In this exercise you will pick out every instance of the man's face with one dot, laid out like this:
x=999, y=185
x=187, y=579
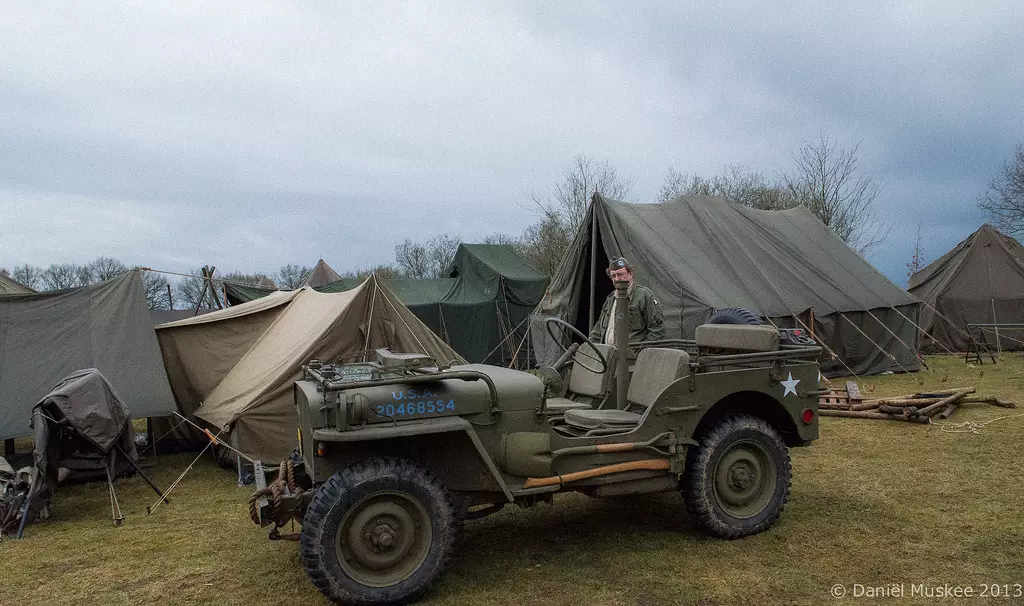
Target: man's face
x=622, y=274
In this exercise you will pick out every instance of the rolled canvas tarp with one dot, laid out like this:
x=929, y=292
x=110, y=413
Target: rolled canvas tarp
x=979, y=281
x=240, y=363
x=47, y=336
x=701, y=253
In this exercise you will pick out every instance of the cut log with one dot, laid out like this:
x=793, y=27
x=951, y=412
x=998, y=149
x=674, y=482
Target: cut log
x=852, y=414
x=948, y=411
x=992, y=401
x=865, y=405
x=943, y=403
x=943, y=392
x=906, y=411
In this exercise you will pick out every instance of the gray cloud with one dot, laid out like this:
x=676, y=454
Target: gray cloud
x=249, y=135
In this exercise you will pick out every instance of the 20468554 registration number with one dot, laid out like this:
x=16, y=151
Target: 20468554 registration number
x=414, y=408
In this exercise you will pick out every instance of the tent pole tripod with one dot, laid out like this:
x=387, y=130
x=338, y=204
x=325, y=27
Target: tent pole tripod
x=142, y=474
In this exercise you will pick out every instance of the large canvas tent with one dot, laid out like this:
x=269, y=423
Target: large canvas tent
x=47, y=336
x=980, y=281
x=480, y=309
x=10, y=287
x=235, y=368
x=701, y=253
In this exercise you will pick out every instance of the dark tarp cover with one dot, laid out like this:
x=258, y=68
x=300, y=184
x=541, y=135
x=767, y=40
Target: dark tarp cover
x=701, y=253
x=87, y=402
x=980, y=281
x=47, y=336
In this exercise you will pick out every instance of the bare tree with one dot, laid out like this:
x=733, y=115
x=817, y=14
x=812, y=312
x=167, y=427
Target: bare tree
x=103, y=268
x=736, y=183
x=413, y=259
x=155, y=285
x=827, y=183
x=545, y=242
x=28, y=275
x=584, y=177
x=293, y=276
x=5, y=272
x=441, y=252
x=384, y=271
x=60, y=276
x=916, y=262
x=1004, y=201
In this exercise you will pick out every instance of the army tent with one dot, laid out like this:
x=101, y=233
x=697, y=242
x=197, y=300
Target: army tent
x=701, y=253
x=235, y=368
x=322, y=275
x=980, y=281
x=10, y=287
x=480, y=309
x=47, y=336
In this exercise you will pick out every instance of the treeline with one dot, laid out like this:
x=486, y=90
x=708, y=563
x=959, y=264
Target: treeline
x=824, y=178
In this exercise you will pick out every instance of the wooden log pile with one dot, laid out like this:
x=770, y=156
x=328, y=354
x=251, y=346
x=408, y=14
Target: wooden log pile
x=911, y=408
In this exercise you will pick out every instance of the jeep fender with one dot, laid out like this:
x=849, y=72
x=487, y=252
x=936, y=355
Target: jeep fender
x=437, y=440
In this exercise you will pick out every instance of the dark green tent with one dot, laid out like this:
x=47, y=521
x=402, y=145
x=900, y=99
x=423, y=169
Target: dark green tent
x=700, y=253
x=980, y=281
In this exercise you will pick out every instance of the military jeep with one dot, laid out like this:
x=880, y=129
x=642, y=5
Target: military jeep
x=397, y=452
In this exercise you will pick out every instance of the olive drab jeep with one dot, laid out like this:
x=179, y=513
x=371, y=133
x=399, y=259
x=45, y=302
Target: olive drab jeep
x=397, y=452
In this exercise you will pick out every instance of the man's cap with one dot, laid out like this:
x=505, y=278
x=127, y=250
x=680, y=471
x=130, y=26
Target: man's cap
x=619, y=263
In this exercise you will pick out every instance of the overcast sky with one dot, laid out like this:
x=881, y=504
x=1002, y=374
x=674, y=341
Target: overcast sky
x=249, y=135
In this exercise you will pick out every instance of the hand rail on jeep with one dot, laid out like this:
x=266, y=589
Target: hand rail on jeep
x=786, y=352
x=465, y=375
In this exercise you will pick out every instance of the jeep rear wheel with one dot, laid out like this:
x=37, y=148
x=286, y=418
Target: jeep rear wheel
x=378, y=532
x=737, y=479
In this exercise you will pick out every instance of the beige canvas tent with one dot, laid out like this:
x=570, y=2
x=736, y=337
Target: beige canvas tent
x=234, y=369
x=322, y=275
x=9, y=287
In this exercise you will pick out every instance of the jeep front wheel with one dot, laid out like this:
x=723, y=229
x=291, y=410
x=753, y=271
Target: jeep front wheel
x=378, y=532
x=737, y=479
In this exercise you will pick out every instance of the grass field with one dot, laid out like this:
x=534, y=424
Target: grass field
x=873, y=502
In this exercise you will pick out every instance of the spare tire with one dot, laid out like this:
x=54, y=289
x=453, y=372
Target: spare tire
x=735, y=315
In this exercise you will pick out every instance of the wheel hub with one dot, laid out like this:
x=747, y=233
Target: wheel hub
x=744, y=479
x=384, y=538
x=742, y=476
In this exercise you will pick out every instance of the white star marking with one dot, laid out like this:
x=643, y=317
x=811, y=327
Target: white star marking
x=790, y=386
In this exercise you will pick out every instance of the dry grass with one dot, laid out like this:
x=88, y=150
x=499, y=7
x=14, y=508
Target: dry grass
x=872, y=502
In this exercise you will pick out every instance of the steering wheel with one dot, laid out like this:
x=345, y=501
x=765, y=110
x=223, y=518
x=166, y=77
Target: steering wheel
x=562, y=325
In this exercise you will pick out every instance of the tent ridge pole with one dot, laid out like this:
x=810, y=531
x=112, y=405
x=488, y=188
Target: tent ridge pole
x=593, y=260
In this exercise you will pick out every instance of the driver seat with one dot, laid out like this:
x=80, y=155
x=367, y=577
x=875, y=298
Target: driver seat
x=656, y=368
x=584, y=382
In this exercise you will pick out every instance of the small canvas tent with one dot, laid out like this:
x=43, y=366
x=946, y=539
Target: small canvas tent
x=9, y=287
x=700, y=253
x=322, y=275
x=46, y=336
x=980, y=281
x=235, y=368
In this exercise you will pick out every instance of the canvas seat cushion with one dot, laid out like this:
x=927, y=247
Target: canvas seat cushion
x=593, y=419
x=559, y=405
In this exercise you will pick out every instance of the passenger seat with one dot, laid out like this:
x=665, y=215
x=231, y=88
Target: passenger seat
x=655, y=369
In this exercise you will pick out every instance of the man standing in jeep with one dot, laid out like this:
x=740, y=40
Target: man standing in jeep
x=646, y=322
